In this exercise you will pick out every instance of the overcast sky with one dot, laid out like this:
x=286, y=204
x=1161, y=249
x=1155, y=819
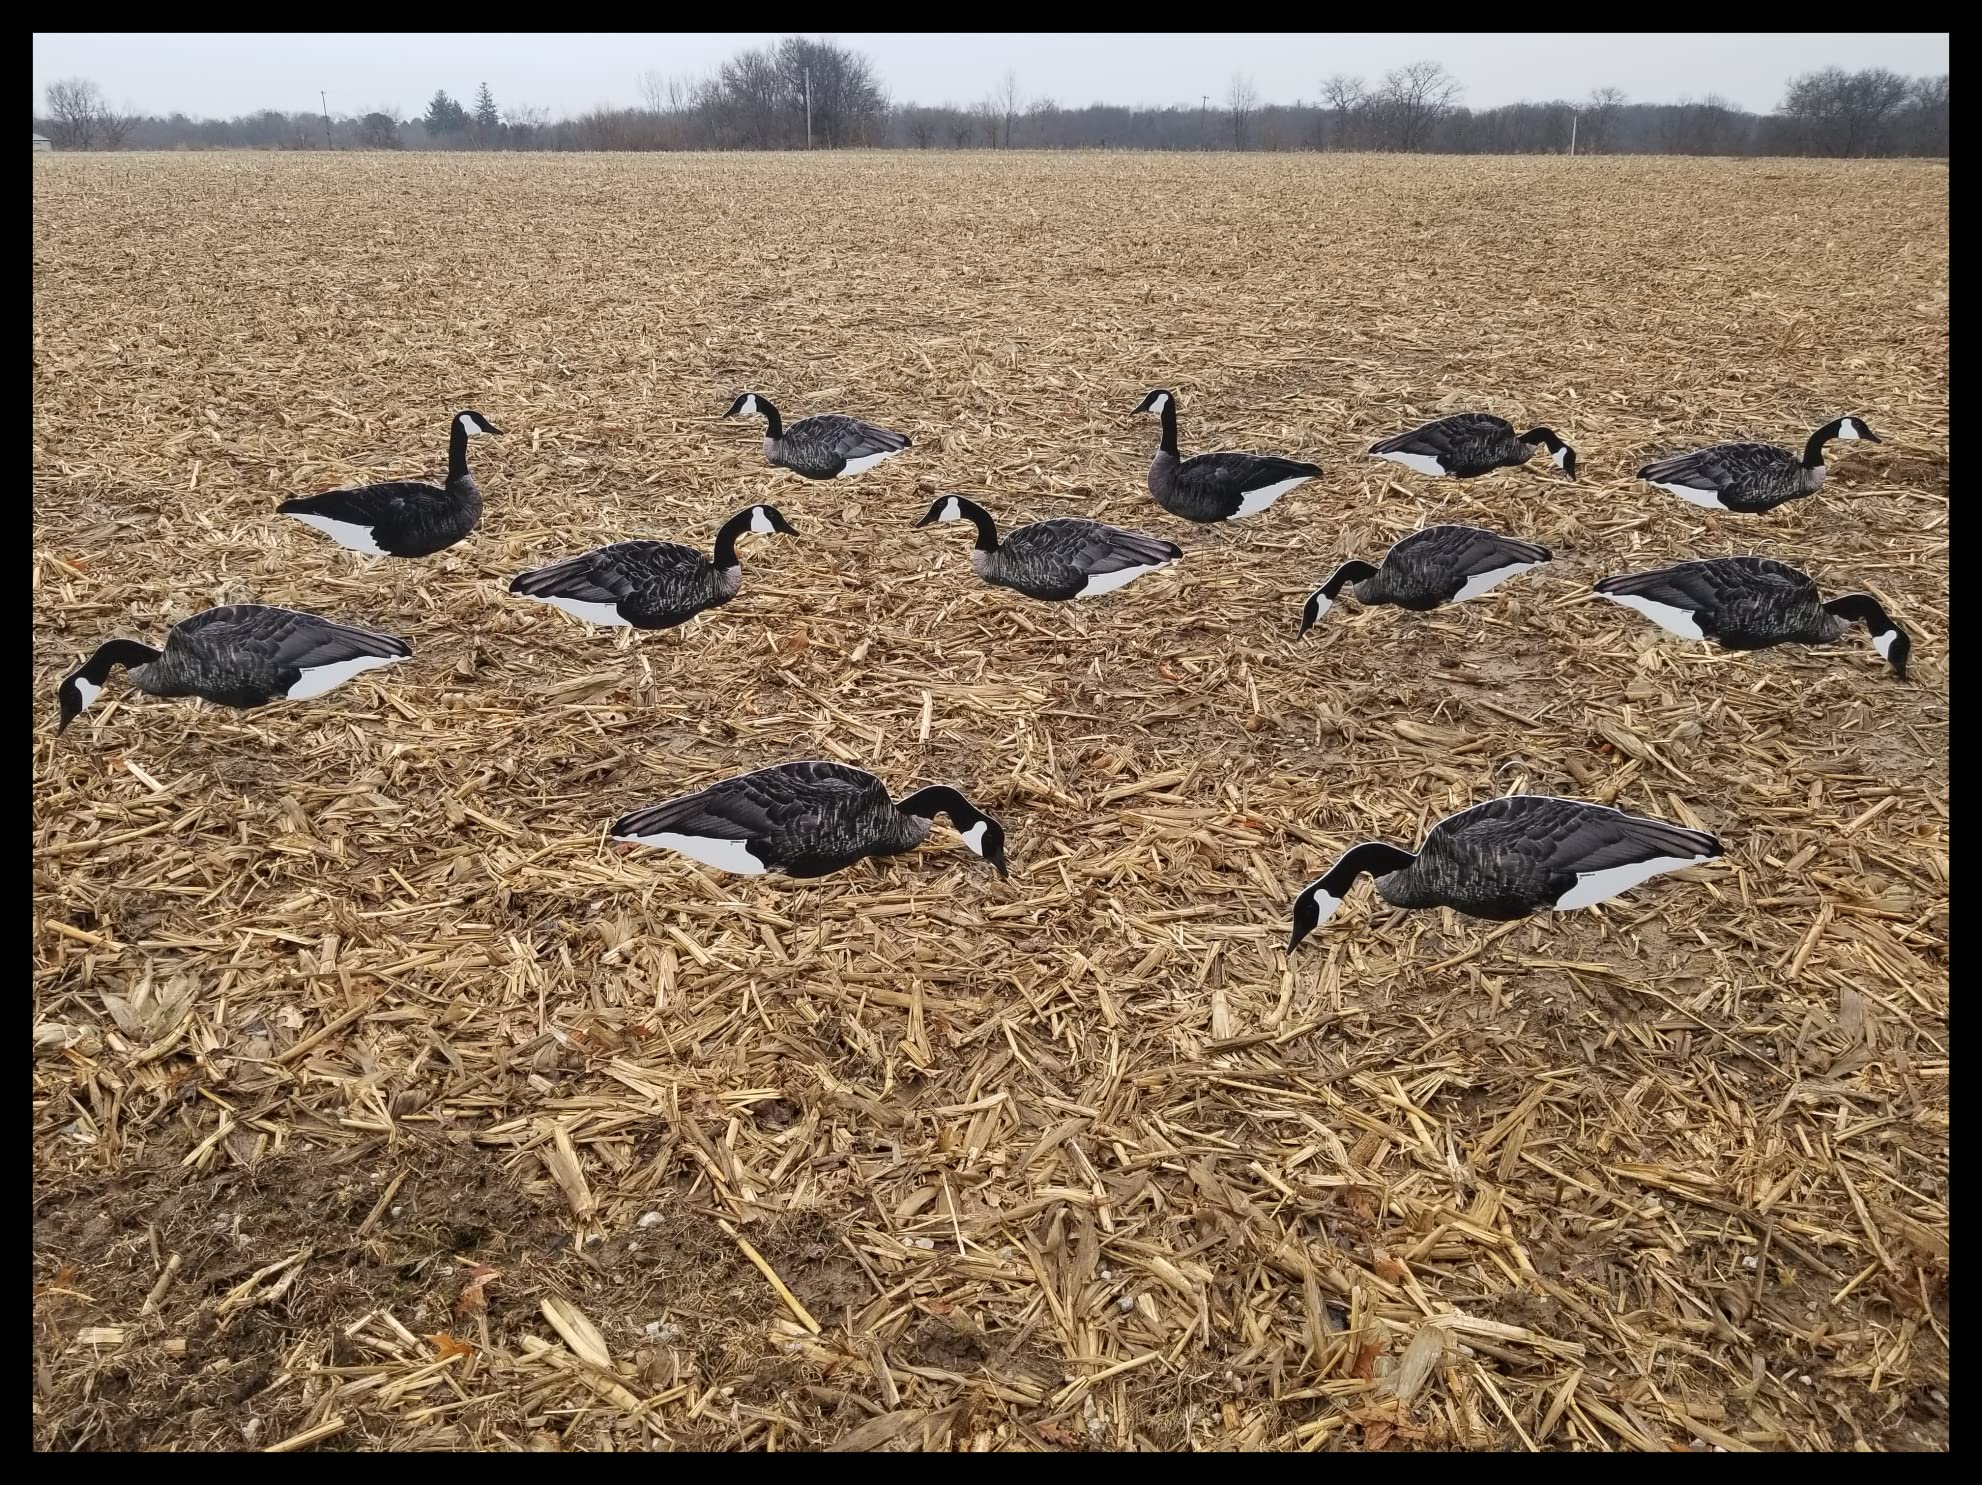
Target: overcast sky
x=223, y=74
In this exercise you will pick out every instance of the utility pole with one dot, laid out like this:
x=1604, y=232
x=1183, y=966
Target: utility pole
x=808, y=108
x=326, y=117
x=1572, y=135
x=1204, y=123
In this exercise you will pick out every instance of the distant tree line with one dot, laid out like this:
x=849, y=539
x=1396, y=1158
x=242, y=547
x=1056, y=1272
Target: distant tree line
x=802, y=93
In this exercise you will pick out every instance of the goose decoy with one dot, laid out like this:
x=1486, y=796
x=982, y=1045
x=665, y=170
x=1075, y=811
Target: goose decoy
x=806, y=820
x=1470, y=444
x=1751, y=477
x=1216, y=487
x=403, y=518
x=1751, y=603
x=240, y=655
x=1508, y=858
x=649, y=584
x=1440, y=564
x=827, y=447
x=1063, y=558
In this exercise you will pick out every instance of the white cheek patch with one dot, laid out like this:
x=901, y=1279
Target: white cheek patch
x=760, y=524
x=1326, y=903
x=1322, y=604
x=1883, y=643
x=1708, y=498
x=1593, y=887
x=1107, y=582
x=607, y=614
x=469, y=426
x=321, y=678
x=1848, y=429
x=1255, y=501
x=90, y=690
x=1669, y=617
x=974, y=837
x=1420, y=463
x=352, y=538
x=1560, y=457
x=1486, y=582
x=866, y=462
x=746, y=407
x=710, y=850
x=1158, y=404
x=951, y=511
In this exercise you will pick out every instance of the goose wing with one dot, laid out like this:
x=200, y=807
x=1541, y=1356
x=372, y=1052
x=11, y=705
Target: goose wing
x=643, y=570
x=764, y=805
x=281, y=638
x=1089, y=546
x=1718, y=466
x=846, y=438
x=1717, y=587
x=1215, y=476
x=1454, y=553
x=370, y=505
x=1449, y=439
x=1553, y=842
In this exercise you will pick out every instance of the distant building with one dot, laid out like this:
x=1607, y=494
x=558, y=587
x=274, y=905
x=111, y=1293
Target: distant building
x=43, y=142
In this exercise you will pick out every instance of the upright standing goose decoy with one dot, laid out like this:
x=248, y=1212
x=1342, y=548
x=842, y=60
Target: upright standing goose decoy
x=649, y=584
x=241, y=655
x=1440, y=564
x=1466, y=445
x=1216, y=487
x=1751, y=477
x=806, y=820
x=1064, y=558
x=1507, y=858
x=403, y=518
x=1751, y=603
x=827, y=447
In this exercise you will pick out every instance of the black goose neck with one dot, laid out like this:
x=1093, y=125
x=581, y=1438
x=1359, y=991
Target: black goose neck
x=1860, y=608
x=774, y=425
x=940, y=799
x=1544, y=436
x=457, y=452
x=1377, y=858
x=1353, y=571
x=1169, y=415
x=124, y=652
x=734, y=527
x=987, y=529
x=1813, y=451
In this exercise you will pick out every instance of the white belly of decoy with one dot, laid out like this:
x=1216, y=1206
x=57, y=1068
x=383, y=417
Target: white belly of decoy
x=1593, y=887
x=351, y=537
x=1420, y=463
x=1708, y=498
x=1486, y=582
x=866, y=462
x=1255, y=501
x=1672, y=619
x=592, y=613
x=1107, y=582
x=321, y=678
x=710, y=850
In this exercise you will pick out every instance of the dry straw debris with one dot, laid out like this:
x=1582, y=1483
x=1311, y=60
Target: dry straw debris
x=379, y=1103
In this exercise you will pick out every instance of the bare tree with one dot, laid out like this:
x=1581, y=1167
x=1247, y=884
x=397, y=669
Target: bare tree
x=1005, y=98
x=1241, y=99
x=379, y=129
x=74, y=106
x=1601, y=117
x=1413, y=100
x=962, y=125
x=116, y=124
x=1348, y=100
x=1844, y=113
x=986, y=112
x=1040, y=115
x=920, y=125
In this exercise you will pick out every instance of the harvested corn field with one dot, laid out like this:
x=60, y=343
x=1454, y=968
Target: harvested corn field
x=381, y=1102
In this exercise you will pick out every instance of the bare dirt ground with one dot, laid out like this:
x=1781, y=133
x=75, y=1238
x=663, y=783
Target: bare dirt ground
x=378, y=1103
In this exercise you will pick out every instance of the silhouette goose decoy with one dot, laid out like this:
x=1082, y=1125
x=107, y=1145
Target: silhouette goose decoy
x=826, y=447
x=1508, y=858
x=649, y=584
x=403, y=518
x=805, y=819
x=1751, y=603
x=1467, y=445
x=1751, y=477
x=1215, y=487
x=1057, y=559
x=238, y=655
x=1440, y=564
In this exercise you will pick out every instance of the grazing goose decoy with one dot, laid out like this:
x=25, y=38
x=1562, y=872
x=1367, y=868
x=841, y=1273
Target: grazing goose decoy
x=403, y=518
x=1216, y=487
x=1507, y=858
x=649, y=584
x=827, y=447
x=805, y=820
x=1751, y=603
x=241, y=655
x=1751, y=477
x=1440, y=564
x=1064, y=558
x=1466, y=445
